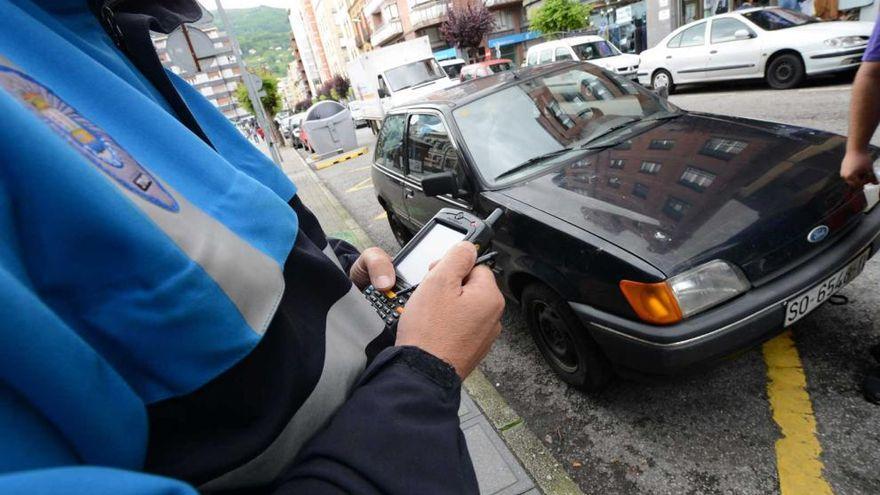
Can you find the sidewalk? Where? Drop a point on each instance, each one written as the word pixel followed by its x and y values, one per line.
pixel 507 457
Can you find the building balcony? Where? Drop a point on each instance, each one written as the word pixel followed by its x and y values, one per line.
pixel 373 7
pixel 385 32
pixel 425 14
pixel 501 3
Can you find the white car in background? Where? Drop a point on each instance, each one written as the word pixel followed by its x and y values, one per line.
pixel 592 49
pixel 778 45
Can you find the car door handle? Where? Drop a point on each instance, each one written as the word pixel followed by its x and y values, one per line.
pixel 408 193
pixel 713 52
pixel 669 56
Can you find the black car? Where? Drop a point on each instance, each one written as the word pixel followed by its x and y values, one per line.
pixel 636 236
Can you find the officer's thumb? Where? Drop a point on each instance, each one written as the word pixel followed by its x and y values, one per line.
pixel 457 263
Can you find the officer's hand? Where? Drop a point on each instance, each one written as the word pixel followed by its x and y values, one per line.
pixel 455 313
pixel 373 267
pixel 857 169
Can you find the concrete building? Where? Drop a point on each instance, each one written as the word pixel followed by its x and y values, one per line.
pixel 219 73
pixel 301 25
pixel 360 25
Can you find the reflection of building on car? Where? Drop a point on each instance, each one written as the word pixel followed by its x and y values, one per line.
pixel 781 46
pixel 485 68
pixel 637 236
pixel 592 49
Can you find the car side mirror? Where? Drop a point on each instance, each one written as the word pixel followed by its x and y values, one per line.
pixel 742 34
pixel 382 93
pixel 662 92
pixel 439 184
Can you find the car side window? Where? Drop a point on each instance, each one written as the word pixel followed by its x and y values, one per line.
pixel 675 41
pixel 693 36
pixel 546 56
pixel 533 58
pixel 429 148
pixel 562 53
pixel 723 30
pixel 390 143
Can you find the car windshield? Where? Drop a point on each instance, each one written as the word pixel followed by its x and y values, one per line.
pixel 409 75
pixel 595 49
pixel 774 19
pixel 540 116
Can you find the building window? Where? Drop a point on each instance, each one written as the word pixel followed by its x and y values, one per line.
pixel 617 163
pixel 676 208
pixel 503 20
pixel 640 190
pixel 614 182
pixel 722 148
pixel 650 168
pixel 696 178
pixel 661 144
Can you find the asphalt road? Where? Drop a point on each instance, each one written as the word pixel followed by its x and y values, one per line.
pixel 719 430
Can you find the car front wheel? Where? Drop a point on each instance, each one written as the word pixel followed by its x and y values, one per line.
pixel 785 71
pixel 661 79
pixel 401 234
pixel 563 341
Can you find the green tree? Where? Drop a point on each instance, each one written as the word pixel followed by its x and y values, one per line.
pixel 272 100
pixel 559 16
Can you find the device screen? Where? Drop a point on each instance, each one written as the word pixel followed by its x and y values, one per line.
pixel 414 266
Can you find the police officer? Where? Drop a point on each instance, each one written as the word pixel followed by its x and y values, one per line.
pixel 857 168
pixel 173 317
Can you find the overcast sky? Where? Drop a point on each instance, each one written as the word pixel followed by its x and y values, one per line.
pixel 239 4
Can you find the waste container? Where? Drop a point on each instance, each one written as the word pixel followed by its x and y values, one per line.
pixel 329 128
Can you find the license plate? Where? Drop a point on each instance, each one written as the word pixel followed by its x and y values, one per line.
pixel 799 306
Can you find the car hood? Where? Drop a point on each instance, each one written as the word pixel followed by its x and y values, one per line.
pixel 703 187
pixel 625 60
pixel 831 29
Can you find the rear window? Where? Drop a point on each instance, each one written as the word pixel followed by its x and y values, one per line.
pixel 390 143
pixel 694 36
pixel 496 68
pixel 546 56
pixel 533 58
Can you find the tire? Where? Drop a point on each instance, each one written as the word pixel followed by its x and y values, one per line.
pixel 785 71
pixel 401 234
pixel 563 341
pixel 665 79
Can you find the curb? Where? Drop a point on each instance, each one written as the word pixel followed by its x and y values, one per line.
pixel 547 473
pixel 329 162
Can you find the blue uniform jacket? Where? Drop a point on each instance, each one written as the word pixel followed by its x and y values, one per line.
pixel 171 315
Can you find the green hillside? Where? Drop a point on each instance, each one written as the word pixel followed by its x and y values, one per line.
pixel 264 35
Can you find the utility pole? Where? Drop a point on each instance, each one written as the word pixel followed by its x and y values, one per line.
pixel 261 117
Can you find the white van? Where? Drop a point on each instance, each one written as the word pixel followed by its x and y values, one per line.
pixel 592 49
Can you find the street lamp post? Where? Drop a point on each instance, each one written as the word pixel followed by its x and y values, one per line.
pixel 252 91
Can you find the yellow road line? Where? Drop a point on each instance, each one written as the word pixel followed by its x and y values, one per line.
pixel 381 216
pixel 364 184
pixel 798 451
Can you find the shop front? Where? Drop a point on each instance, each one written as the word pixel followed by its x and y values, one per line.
pixel 623 23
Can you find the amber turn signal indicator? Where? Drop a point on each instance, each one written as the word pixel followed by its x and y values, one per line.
pixel 653 303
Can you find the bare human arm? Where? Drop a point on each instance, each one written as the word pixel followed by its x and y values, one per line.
pixel 857 166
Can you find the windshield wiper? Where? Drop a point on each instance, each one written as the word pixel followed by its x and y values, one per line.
pixel 608 131
pixel 533 161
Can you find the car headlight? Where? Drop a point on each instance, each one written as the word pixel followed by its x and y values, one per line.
pixel 846 41
pixel 686 294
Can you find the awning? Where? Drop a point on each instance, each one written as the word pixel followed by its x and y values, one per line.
pixel 512 39
pixel 444 54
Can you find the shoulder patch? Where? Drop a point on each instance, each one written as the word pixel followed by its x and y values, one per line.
pixel 87 138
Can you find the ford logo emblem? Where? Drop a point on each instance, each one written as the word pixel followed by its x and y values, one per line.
pixel 817 234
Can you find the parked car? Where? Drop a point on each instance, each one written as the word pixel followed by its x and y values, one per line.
pixel 452 67
pixel 781 46
pixel 485 68
pixel 592 49
pixel 635 235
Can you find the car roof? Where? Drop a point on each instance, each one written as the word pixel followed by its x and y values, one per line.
pixel 574 40
pixel 474 89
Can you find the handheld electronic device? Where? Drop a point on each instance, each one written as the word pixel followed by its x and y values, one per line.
pixel 445 229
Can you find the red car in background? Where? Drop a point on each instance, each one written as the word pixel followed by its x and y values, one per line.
pixel 485 68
